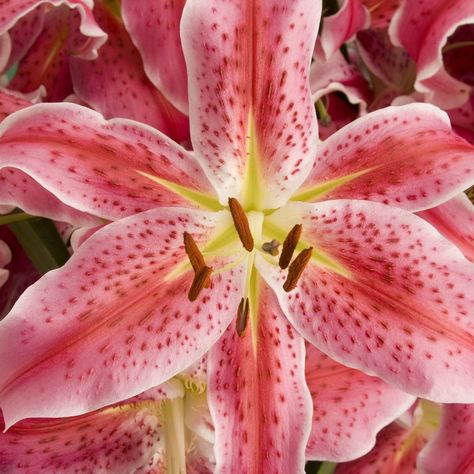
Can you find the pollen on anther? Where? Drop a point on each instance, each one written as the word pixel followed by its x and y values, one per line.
pixel 296 269
pixel 289 246
pixel 201 280
pixel 242 316
pixel 241 224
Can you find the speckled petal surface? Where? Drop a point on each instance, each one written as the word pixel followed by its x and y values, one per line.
pixel 455 220
pixel 341 27
pixel 115 320
pixel 393 297
pixel 118 439
pixel 248 66
pixel 395 453
pixel 158 40
pixel 95 165
pixel 405 156
pixel 258 398
pixel 115 83
pixel 452 448
pixel 11 11
pixel 349 408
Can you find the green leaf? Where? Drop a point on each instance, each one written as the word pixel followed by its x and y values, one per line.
pixel 41 242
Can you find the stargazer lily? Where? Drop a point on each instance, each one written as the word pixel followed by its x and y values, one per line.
pixel 257 240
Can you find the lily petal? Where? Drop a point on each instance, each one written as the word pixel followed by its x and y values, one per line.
pixel 154 28
pixel 406 156
pixel 11 12
pixel 115 320
pixel 395 452
pixel 252 81
pixel 381 12
pixel 452 448
pixel 116 85
pixel 23 34
pixel 118 439
pixel 107 168
pixel 455 220
pixel 349 408
pixel 390 63
pixel 385 294
pixel 423 29
pixel 257 394
pixel 340 28
pixel 336 74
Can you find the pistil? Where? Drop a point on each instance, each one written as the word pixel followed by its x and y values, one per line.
pixel 273 247
pixel 242 316
pixel 241 224
pixel 202 279
pixel 289 246
pixel 296 269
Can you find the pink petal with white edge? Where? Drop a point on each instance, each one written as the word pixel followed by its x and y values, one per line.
pixel 396 301
pixel 396 452
pixel 108 168
pixel 341 27
pixel 258 396
pixel 116 85
pixel 405 156
pixel 252 80
pixel 154 28
pixel 23 34
pixel 336 74
pixel 117 439
pixel 11 12
pixel 452 448
pixel 423 29
pixel 455 220
pixel 349 408
pixel 132 328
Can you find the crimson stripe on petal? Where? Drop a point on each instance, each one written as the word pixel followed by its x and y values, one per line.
pixel 258 398
pixel 113 321
pixel 95 165
pixel 404 310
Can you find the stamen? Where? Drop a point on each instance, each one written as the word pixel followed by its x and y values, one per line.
pixel 296 269
pixel 242 316
pixel 271 247
pixel 193 252
pixel 201 280
pixel 241 224
pixel 289 245
pixel 194 255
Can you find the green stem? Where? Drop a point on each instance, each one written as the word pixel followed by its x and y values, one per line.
pixel 15 217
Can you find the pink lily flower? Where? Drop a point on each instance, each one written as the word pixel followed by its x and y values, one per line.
pixel 149 433
pixel 423 29
pixel 42 38
pixel 372 285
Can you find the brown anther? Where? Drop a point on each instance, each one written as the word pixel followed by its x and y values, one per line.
pixel 242 316
pixel 241 224
pixel 201 280
pixel 193 252
pixel 271 247
pixel 194 255
pixel 296 269
pixel 289 245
